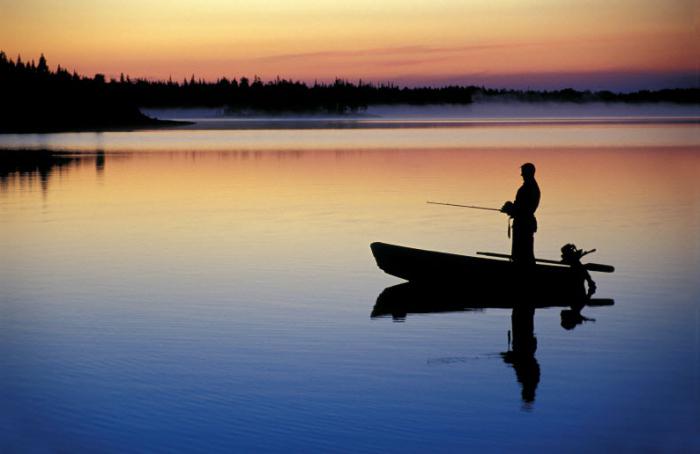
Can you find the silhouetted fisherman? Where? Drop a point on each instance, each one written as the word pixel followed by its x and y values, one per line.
pixel 522 210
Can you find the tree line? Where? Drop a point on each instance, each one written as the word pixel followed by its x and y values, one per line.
pixel 37 98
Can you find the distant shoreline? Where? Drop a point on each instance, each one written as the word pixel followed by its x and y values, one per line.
pixel 37 99
pixel 152 123
pixel 291 124
pixel 293 121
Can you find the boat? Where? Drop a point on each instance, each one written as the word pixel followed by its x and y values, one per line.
pixel 482 275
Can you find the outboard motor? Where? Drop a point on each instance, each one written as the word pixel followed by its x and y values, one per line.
pixel 571 255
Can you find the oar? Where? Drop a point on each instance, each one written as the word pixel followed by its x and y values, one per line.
pixel 589 266
pixel 464 206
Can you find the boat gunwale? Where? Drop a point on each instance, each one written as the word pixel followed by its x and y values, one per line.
pixel 541 266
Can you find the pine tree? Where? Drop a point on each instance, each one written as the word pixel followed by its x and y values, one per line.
pixel 42 67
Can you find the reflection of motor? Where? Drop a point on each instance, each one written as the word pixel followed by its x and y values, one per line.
pixel 571 255
pixel 570 318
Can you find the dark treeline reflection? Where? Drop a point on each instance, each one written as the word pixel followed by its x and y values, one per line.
pixel 25 168
pixel 401 300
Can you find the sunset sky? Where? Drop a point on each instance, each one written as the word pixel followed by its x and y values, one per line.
pixel 620 45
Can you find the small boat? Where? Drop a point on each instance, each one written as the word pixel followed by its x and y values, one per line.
pixel 481 275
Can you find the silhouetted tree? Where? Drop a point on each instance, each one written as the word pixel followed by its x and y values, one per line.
pixel 42 67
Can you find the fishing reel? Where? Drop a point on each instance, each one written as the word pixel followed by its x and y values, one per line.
pixel 507 208
pixel 572 255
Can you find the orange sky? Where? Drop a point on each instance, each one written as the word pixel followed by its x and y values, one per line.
pixel 408 41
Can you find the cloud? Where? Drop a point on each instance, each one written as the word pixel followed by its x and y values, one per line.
pixel 414 50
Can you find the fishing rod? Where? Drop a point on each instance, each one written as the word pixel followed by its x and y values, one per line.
pixel 472 207
pixel 465 206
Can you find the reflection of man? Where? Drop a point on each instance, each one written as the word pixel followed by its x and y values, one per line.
pixel 522 210
pixel 522 356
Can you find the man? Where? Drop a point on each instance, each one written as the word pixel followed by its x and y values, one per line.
pixel 522 210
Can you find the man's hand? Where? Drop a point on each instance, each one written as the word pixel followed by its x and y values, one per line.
pixel 507 208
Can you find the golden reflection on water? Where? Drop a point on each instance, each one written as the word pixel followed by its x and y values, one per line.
pixel 275 201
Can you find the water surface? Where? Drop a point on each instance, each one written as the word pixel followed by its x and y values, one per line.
pixel 211 290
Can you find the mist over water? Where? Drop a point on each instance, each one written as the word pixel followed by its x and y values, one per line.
pixel 479 110
pixel 541 110
pixel 211 290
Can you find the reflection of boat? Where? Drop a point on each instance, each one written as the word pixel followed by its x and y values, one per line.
pixel 410 298
pixel 424 298
pixel 478 274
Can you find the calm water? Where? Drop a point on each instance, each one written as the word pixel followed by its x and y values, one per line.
pixel 211 290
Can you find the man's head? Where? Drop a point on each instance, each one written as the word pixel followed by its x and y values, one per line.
pixel 527 170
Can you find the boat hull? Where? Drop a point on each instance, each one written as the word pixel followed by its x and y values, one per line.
pixel 483 276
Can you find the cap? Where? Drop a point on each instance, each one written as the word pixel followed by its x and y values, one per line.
pixel 528 168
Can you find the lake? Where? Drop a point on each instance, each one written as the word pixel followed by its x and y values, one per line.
pixel 210 288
